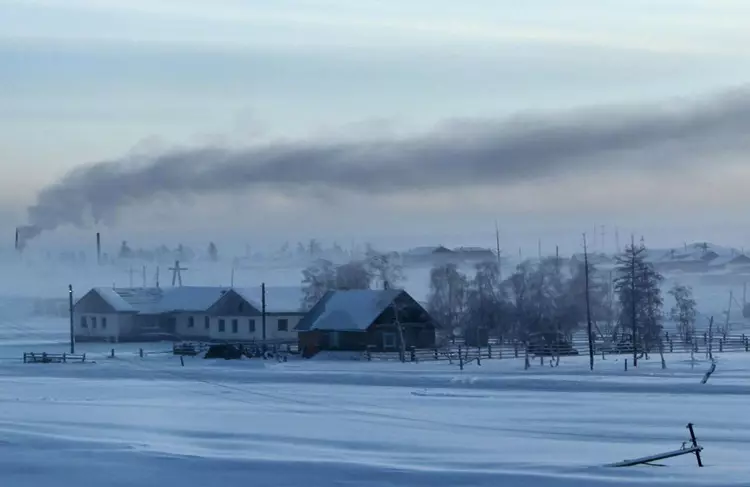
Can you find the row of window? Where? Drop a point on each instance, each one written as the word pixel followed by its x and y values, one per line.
pixel 86 320
pixel 282 324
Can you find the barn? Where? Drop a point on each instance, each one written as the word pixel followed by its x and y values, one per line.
pixel 358 320
pixel 143 314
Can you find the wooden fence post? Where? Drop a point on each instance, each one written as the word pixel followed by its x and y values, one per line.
pixel 140 352
pixel 112 353
pixel 436 354
pixel 694 441
pixel 460 358
pixel 626 365
pixel 721 345
pixel 489 350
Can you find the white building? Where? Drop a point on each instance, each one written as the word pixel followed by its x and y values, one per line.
pixel 190 313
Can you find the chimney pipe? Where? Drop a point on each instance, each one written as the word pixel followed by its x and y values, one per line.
pixel 98 248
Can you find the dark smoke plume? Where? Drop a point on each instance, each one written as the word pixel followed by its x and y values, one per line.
pixel 461 153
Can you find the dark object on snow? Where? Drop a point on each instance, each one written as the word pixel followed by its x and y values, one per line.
pixel 185 349
pixel 683 450
pixel 225 351
pixel 746 311
pixel 708 373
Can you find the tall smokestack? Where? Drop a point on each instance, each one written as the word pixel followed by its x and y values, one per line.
pixel 98 248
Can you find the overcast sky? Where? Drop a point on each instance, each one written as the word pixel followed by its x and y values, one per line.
pixel 85 81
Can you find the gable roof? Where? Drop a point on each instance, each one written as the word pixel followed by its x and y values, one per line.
pixel 160 300
pixel 353 310
pixel 279 299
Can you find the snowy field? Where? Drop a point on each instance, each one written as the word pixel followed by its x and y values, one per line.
pixel 130 421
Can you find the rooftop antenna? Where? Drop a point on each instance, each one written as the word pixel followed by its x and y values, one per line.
pixel 177 273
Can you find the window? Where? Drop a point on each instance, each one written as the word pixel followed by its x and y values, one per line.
pixel 191 321
pixel 93 322
pixel 207 322
pixel 283 324
pixel 251 327
pixel 83 322
pixel 241 307
pixel 221 326
pixel 104 323
pixel 234 326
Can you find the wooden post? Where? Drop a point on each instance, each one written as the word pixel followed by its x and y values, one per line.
pixel 182 360
pixel 140 352
pixel 460 358
pixel 626 365
pixel 489 350
pixel 633 304
pixel 263 309
pixel 694 441
pixel 72 326
pixel 112 353
pixel 588 305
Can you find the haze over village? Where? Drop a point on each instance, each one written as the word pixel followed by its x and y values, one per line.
pixel 320 243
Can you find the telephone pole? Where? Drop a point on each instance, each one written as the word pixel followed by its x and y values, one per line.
pixel 263 309
pixel 588 304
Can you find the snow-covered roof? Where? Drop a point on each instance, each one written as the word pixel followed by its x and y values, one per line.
pixel 279 299
pixel 353 310
pixel 160 300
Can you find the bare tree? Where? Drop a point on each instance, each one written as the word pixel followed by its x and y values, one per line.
pixel 317 279
pixel 385 268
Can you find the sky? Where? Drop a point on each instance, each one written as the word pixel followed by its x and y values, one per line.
pixel 599 112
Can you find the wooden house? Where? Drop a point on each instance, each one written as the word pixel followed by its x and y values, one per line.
pixel 359 320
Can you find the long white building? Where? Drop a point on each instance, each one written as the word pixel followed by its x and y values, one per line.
pixel 189 313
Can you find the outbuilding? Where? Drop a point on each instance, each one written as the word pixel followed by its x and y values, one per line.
pixel 358 320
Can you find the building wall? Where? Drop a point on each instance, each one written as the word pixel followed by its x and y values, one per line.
pixel 193 326
pixel 99 326
pixel 245 332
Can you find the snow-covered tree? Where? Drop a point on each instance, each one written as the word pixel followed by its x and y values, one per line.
pixel 446 302
pixel 317 279
pixel 684 311
pixel 638 286
pixel 487 305
pixel 385 268
pixel 353 275
pixel 213 252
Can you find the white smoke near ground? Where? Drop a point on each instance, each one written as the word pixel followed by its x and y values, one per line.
pixel 458 154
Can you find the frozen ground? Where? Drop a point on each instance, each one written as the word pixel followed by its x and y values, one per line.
pixel 130 421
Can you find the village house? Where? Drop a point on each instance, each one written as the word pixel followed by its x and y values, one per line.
pixel 368 319
pixel 187 313
pixel 140 314
pixel 238 315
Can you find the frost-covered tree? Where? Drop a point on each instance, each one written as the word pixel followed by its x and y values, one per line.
pixel 353 275
pixel 446 302
pixel 486 302
pixel 638 286
pixel 213 252
pixel 385 268
pixel 125 251
pixel 684 311
pixel 317 279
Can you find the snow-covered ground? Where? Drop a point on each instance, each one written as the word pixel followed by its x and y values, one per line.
pixel 131 421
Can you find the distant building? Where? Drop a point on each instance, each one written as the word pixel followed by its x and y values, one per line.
pixel 439 255
pixel 359 320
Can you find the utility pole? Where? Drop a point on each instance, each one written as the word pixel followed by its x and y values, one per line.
pixel 72 326
pixel 231 281
pixel 263 309
pixel 144 276
pixel 497 248
pixel 633 299
pixel 588 304
pixel 539 249
pixel 130 275
pixel 157 277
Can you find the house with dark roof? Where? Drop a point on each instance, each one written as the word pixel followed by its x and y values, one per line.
pixel 368 319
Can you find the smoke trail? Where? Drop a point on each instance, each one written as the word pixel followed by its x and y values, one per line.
pixel 459 153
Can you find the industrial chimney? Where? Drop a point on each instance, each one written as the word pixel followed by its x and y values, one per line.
pixel 98 249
